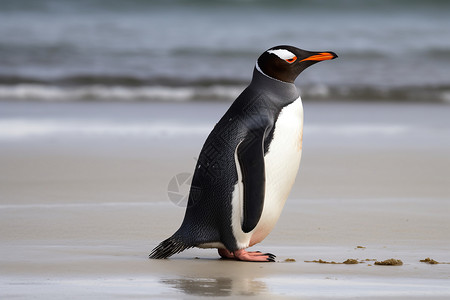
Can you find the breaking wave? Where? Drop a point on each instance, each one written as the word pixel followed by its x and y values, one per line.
pixel 40 92
pixel 211 92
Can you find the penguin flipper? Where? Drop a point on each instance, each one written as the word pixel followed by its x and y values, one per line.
pixel 250 153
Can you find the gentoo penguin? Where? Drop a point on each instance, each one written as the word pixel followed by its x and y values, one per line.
pixel 248 164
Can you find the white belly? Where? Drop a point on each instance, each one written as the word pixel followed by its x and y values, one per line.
pixel 281 163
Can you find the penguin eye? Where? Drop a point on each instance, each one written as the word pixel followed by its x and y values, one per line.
pixel 291 60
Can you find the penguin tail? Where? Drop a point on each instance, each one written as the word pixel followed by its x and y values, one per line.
pixel 168 248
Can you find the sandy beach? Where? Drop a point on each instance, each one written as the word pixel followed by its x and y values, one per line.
pixel 80 210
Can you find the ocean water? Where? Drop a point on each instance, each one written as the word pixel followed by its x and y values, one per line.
pixel 176 50
pixel 338 125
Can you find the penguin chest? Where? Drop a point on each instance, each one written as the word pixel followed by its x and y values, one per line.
pixel 281 166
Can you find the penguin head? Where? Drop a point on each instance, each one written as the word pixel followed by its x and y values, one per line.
pixel 285 63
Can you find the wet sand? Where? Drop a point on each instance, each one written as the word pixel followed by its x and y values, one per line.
pixel 79 216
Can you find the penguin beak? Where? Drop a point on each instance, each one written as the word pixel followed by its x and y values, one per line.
pixel 321 56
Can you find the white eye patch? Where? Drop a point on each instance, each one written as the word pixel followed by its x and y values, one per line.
pixel 283 54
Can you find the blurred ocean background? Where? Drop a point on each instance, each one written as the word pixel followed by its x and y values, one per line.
pixel 170 68
pixel 177 50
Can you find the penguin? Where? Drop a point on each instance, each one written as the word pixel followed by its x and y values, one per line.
pixel 248 163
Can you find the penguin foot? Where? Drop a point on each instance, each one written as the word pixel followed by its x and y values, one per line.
pixel 253 256
pixel 247 255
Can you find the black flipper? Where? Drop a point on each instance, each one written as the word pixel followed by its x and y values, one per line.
pixel 250 154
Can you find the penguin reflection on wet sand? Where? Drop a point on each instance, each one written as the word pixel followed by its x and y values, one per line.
pixel 248 163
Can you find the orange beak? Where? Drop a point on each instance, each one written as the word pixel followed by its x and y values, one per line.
pixel 321 56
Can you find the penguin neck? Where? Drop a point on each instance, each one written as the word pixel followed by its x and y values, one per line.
pixel 283 90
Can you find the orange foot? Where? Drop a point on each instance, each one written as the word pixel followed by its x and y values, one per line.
pixel 247 256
